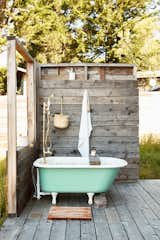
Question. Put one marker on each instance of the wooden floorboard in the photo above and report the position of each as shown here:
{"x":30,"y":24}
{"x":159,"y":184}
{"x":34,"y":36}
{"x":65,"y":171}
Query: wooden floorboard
{"x":44,"y":226}
{"x":135,"y":207}
{"x":116,"y":226}
{"x":130,"y":226}
{"x":133,"y":213}
{"x":152,"y":218}
{"x":13,"y":226}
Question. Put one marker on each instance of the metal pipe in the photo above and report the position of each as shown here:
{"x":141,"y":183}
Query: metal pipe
{"x":44,"y":123}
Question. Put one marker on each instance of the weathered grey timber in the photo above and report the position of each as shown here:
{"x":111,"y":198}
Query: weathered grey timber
{"x":113,"y":94}
{"x":25,"y":158}
{"x":132,"y":213}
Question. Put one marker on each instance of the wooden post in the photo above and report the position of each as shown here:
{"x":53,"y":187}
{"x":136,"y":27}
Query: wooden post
{"x":12,"y":126}
{"x":31,"y":100}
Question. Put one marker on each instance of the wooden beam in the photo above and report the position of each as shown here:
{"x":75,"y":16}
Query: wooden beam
{"x":88,"y":64}
{"x":19,"y":47}
{"x":31,"y":101}
{"x":12,"y":126}
{"x":22,"y":51}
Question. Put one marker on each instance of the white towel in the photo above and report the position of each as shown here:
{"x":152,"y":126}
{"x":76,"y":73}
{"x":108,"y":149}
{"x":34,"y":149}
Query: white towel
{"x":85,"y":127}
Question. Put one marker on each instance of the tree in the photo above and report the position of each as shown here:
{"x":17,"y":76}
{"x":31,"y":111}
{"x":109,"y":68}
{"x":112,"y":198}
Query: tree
{"x":3,"y":81}
{"x":143,"y":48}
{"x":99,"y":25}
{"x":85,"y":30}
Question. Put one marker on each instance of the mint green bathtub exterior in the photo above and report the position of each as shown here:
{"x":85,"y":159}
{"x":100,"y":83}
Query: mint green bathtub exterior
{"x":76,"y":175}
{"x":76,"y":180}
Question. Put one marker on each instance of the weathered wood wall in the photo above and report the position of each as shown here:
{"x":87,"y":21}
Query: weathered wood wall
{"x":25,"y":157}
{"x":113,"y":96}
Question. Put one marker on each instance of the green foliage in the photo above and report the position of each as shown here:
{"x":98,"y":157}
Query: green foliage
{"x":3,"y":81}
{"x":87,"y":30}
{"x":150,"y":158}
{"x":143,"y":49}
{"x":3,"y":198}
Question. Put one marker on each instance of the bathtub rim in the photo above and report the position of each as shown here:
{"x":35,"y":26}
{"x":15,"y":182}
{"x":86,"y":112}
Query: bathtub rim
{"x":119,"y":163}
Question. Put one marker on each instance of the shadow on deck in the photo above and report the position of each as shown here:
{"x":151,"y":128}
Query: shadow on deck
{"x":133,"y":212}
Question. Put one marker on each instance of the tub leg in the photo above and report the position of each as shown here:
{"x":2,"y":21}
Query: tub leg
{"x":90,"y":198}
{"x":54,"y":197}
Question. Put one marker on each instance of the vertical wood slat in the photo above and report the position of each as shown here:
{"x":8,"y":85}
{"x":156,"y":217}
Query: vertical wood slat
{"x":85,"y":73}
{"x":12,"y":126}
{"x":38,"y":74}
{"x":31,"y":102}
{"x":102,"y":73}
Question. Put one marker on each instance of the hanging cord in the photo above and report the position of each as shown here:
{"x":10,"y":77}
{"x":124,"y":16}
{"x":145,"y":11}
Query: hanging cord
{"x":34,"y":182}
{"x":61,"y":105}
{"x":48,"y":125}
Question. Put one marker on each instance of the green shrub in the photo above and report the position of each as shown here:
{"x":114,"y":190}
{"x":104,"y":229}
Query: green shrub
{"x":150,"y":158}
{"x":3,"y":198}
{"x":3,"y":81}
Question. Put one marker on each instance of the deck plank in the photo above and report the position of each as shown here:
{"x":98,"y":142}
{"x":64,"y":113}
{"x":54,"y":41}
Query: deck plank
{"x":101,"y":225}
{"x":153,"y":205}
{"x":13,"y":226}
{"x":44,"y":227}
{"x":29,"y":228}
{"x":58,"y":230}
{"x":152,"y":188}
{"x":73,"y":230}
{"x":152,"y":218}
{"x":133,"y":204}
{"x":125,"y":216}
{"x":132,"y":213}
{"x":88,"y":230}
{"x":115,"y":224}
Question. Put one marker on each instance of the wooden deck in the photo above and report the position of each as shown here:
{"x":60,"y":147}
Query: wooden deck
{"x":133,"y":212}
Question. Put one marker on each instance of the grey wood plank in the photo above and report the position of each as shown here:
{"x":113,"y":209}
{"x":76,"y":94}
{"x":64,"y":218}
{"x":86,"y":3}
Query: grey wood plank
{"x":85,"y":84}
{"x":150,"y":190}
{"x":106,"y":131}
{"x":29,"y":228}
{"x":135,"y":211}
{"x":148,"y":199}
{"x":13,"y":226}
{"x":88,"y":230}
{"x":96,"y":108}
{"x":93,"y":99}
{"x":73,"y":230}
{"x":91,"y":77}
{"x":44,"y":227}
{"x":146,"y":209}
{"x":155,"y":185}
{"x":100,"y":92}
{"x":75,"y":117}
{"x":101,"y":224}
{"x":58,"y":230}
{"x":107,"y":65}
{"x":115,"y":224}
{"x":129,"y":224}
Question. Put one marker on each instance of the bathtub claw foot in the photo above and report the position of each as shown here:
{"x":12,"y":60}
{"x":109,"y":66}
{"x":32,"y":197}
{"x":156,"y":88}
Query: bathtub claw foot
{"x":90,"y":198}
{"x":54,"y":197}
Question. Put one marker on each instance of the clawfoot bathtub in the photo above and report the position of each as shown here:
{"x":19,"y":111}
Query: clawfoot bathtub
{"x":75,"y":175}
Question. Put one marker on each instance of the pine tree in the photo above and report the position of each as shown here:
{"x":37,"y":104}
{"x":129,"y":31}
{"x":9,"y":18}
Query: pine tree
{"x":85,"y":30}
